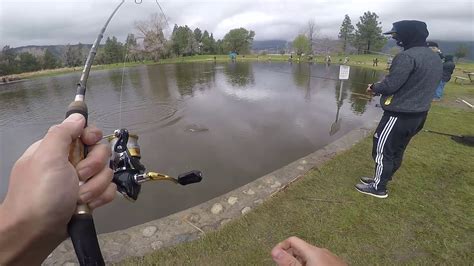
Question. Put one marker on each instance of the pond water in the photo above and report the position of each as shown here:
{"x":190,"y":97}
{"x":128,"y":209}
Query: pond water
{"x":233,"y":121}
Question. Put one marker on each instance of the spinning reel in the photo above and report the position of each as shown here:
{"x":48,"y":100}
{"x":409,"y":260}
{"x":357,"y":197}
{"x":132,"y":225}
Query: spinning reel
{"x":130,"y":173}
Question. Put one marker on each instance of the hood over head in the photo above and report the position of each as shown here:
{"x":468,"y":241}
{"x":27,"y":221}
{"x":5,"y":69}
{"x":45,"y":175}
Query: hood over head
{"x":409,"y":33}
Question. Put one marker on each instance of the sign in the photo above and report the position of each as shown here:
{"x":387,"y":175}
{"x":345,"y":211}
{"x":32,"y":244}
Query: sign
{"x":344,"y":72}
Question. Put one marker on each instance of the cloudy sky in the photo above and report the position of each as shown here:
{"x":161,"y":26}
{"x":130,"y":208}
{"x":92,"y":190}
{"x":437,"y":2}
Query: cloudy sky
{"x":42,"y":22}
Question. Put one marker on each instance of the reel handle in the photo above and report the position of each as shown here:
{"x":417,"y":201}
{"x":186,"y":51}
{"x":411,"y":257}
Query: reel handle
{"x":190,"y":177}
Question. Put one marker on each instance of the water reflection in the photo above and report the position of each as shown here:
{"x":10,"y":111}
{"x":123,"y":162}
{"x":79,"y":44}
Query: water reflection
{"x":339,"y":101}
{"x":234,"y":121}
{"x":239,"y":74}
{"x":360,"y":78}
{"x":194,"y":77}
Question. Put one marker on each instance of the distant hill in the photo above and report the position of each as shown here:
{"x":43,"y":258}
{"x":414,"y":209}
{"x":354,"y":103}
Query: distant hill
{"x":57,"y":50}
{"x":320,"y":46}
{"x":270,"y":46}
{"x":447,"y":47}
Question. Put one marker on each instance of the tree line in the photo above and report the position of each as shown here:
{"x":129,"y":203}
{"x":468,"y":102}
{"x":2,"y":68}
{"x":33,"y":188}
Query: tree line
{"x":363,"y":38}
{"x":149,"y":43}
{"x":366,"y":37}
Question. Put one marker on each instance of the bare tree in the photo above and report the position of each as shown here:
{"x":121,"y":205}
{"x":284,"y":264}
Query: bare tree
{"x":154,"y":41}
{"x":312,"y":32}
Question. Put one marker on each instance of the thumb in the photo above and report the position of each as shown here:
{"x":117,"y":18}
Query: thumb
{"x":59,"y":137}
{"x":283,"y":258}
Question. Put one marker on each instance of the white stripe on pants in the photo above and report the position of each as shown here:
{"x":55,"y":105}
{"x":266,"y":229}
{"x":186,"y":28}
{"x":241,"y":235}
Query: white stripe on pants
{"x":380,"y":145}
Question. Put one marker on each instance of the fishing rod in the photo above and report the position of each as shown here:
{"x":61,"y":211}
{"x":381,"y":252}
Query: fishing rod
{"x":128,"y":172}
{"x":81,"y":227}
{"x":463,"y":139}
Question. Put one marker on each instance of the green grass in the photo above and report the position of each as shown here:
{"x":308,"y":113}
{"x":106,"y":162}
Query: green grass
{"x":427,"y":219}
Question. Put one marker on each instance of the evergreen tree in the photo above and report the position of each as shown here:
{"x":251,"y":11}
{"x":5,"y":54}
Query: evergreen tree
{"x":49,"y":60}
{"x":28,"y":63}
{"x":346,"y":32}
{"x":69,"y":56}
{"x":208,"y":43}
{"x":198,"y":35}
{"x":113,"y":51}
{"x":220,"y":47}
{"x":8,"y":64}
{"x":184,"y":42}
{"x":368,"y":36}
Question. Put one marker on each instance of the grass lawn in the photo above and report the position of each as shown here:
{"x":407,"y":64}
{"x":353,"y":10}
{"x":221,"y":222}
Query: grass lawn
{"x":427,"y":219}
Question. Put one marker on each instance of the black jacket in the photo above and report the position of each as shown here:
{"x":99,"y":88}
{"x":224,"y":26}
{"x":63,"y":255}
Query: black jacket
{"x":414,"y":74}
{"x":448,"y":69}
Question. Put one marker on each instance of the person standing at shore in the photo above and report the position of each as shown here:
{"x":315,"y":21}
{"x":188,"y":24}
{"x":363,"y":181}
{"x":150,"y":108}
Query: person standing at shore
{"x":448,"y":69}
{"x":406,"y":94}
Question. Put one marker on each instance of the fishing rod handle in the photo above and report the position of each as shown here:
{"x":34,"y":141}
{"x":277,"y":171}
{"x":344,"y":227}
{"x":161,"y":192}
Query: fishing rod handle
{"x":81,"y":227}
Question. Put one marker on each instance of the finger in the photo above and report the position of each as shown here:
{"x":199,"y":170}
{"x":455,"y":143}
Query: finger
{"x":96,"y":159}
{"x":95,"y":186}
{"x":106,"y":197}
{"x":283,"y":258}
{"x":91,"y":135}
{"x":298,"y":246}
{"x":59,"y":137}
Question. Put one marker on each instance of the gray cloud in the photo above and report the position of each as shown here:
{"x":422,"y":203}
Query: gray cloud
{"x":24,"y":22}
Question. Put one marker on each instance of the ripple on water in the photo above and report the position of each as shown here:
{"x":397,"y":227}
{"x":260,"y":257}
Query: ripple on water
{"x":141,"y":116}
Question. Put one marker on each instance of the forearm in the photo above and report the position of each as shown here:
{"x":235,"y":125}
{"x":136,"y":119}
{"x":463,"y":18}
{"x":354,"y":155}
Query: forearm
{"x":399,"y":73}
{"x":21,"y":244}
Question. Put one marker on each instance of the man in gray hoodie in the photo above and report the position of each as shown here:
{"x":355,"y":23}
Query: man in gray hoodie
{"x":406,"y":94}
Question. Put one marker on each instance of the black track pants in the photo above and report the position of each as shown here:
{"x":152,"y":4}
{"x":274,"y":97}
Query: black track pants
{"x":390,"y":140}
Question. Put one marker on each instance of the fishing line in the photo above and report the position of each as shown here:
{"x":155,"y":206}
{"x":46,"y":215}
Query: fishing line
{"x":121,"y":85}
{"x":138,"y":2}
{"x":162,"y":12}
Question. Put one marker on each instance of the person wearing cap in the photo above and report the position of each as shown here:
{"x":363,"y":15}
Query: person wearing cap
{"x":406,"y":95}
{"x":448,"y":69}
{"x":435,"y":48}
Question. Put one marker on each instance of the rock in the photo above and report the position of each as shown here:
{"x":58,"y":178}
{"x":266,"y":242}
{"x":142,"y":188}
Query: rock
{"x":303,"y":162}
{"x":156,"y":245}
{"x":232,"y":200}
{"x":249,"y":192}
{"x":194,"y":218}
{"x":269,"y":179}
{"x":149,"y":231}
{"x":217,"y":208}
{"x":246,"y":210}
{"x":260,"y":201}
{"x":225,"y":221}
{"x":276,"y":184}
{"x":301,"y":168}
{"x":62,"y":248}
